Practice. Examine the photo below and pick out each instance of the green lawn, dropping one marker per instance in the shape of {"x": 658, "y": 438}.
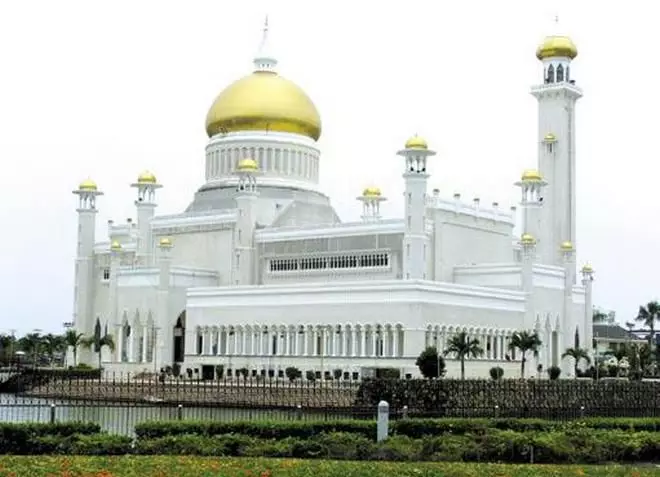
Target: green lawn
{"x": 175, "y": 466}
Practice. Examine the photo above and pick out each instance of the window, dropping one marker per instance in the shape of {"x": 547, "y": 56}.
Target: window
{"x": 551, "y": 74}
{"x": 365, "y": 260}
{"x": 106, "y": 274}
{"x": 560, "y": 74}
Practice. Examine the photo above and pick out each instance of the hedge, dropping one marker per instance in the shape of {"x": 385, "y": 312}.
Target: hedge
{"x": 20, "y": 438}
{"x": 512, "y": 397}
{"x": 584, "y": 446}
{"x": 407, "y": 427}
{"x": 134, "y": 466}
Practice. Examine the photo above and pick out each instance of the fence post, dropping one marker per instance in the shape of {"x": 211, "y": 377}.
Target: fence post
{"x": 299, "y": 413}
{"x": 404, "y": 412}
{"x": 52, "y": 413}
{"x": 582, "y": 412}
{"x": 383, "y": 421}
{"x": 179, "y": 412}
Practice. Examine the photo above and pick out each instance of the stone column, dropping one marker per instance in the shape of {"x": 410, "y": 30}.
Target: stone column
{"x": 143, "y": 358}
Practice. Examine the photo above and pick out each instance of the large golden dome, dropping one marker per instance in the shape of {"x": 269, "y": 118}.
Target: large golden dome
{"x": 264, "y": 101}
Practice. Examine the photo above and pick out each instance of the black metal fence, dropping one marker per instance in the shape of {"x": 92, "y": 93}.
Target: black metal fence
{"x": 119, "y": 401}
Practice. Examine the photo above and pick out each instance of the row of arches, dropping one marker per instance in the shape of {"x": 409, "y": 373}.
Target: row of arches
{"x": 349, "y": 340}
{"x": 557, "y": 74}
{"x": 136, "y": 338}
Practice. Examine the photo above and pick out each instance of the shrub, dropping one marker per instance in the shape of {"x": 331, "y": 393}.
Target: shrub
{"x": 496, "y": 373}
{"x": 292, "y": 373}
{"x": 554, "y": 372}
{"x": 19, "y": 438}
{"x": 310, "y": 376}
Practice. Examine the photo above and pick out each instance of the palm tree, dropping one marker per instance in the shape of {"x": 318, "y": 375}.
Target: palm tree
{"x": 463, "y": 347}
{"x": 32, "y": 345}
{"x": 74, "y": 339}
{"x": 97, "y": 342}
{"x": 53, "y": 344}
{"x": 525, "y": 342}
{"x": 578, "y": 354}
{"x": 647, "y": 316}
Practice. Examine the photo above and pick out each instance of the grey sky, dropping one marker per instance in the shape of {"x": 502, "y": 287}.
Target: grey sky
{"x": 107, "y": 89}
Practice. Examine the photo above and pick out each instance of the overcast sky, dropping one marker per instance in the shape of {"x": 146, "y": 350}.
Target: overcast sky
{"x": 107, "y": 89}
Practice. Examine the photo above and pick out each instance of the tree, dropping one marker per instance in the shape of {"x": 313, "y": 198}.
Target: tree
{"x": 578, "y": 354}
{"x": 647, "y": 316}
{"x": 74, "y": 339}
{"x": 7, "y": 345}
{"x": 463, "y": 347}
{"x": 430, "y": 363}
{"x": 97, "y": 343}
{"x": 32, "y": 345}
{"x": 53, "y": 344}
{"x": 525, "y": 342}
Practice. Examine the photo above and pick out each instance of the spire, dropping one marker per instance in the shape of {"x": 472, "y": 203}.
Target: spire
{"x": 264, "y": 60}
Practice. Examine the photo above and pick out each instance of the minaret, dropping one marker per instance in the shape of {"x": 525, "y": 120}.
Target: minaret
{"x": 163, "y": 332}
{"x": 83, "y": 319}
{"x": 113, "y": 298}
{"x": 568, "y": 321}
{"x": 371, "y": 198}
{"x": 528, "y": 244}
{"x": 416, "y": 244}
{"x": 531, "y": 187}
{"x": 145, "y": 204}
{"x": 557, "y": 96}
{"x": 587, "y": 283}
{"x": 246, "y": 202}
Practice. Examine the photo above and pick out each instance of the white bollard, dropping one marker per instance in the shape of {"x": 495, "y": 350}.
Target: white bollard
{"x": 382, "y": 425}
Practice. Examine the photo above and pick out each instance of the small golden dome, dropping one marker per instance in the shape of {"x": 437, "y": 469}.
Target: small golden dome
{"x": 264, "y": 101}
{"x": 247, "y": 165}
{"x": 566, "y": 246}
{"x": 550, "y": 137}
{"x": 527, "y": 239}
{"x": 146, "y": 178}
{"x": 531, "y": 175}
{"x": 88, "y": 185}
{"x": 115, "y": 246}
{"x": 165, "y": 242}
{"x": 371, "y": 192}
{"x": 587, "y": 268}
{"x": 416, "y": 142}
{"x": 556, "y": 45}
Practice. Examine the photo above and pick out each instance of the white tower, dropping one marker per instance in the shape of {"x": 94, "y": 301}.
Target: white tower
{"x": 557, "y": 96}
{"x": 163, "y": 332}
{"x": 246, "y": 200}
{"x": 145, "y": 204}
{"x": 531, "y": 187}
{"x": 528, "y": 244}
{"x": 587, "y": 282}
{"x": 371, "y": 198}
{"x": 416, "y": 244}
{"x": 83, "y": 320}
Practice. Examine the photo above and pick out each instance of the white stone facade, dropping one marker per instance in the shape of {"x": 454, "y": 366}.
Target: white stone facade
{"x": 260, "y": 273}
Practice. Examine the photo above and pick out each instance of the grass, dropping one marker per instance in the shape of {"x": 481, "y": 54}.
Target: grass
{"x": 165, "y": 466}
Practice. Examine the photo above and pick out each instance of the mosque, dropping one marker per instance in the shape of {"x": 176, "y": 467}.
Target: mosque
{"x": 259, "y": 273}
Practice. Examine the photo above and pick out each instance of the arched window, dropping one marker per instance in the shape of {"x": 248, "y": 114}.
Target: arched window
{"x": 577, "y": 338}
{"x": 560, "y": 74}
{"x": 551, "y": 74}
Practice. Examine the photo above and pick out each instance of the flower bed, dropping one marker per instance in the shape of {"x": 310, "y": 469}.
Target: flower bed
{"x": 137, "y": 466}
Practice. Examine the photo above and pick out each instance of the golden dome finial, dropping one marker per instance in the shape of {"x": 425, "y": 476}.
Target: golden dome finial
{"x": 165, "y": 242}
{"x": 371, "y": 192}
{"x": 587, "y": 269}
{"x": 88, "y": 185}
{"x": 146, "y": 177}
{"x": 531, "y": 175}
{"x": 527, "y": 239}
{"x": 247, "y": 165}
{"x": 566, "y": 246}
{"x": 416, "y": 142}
{"x": 115, "y": 246}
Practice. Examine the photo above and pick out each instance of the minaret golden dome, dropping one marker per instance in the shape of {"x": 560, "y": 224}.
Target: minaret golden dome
{"x": 146, "y": 178}
{"x": 416, "y": 142}
{"x": 115, "y": 246}
{"x": 165, "y": 242}
{"x": 556, "y": 46}
{"x": 566, "y": 246}
{"x": 587, "y": 269}
{"x": 88, "y": 185}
